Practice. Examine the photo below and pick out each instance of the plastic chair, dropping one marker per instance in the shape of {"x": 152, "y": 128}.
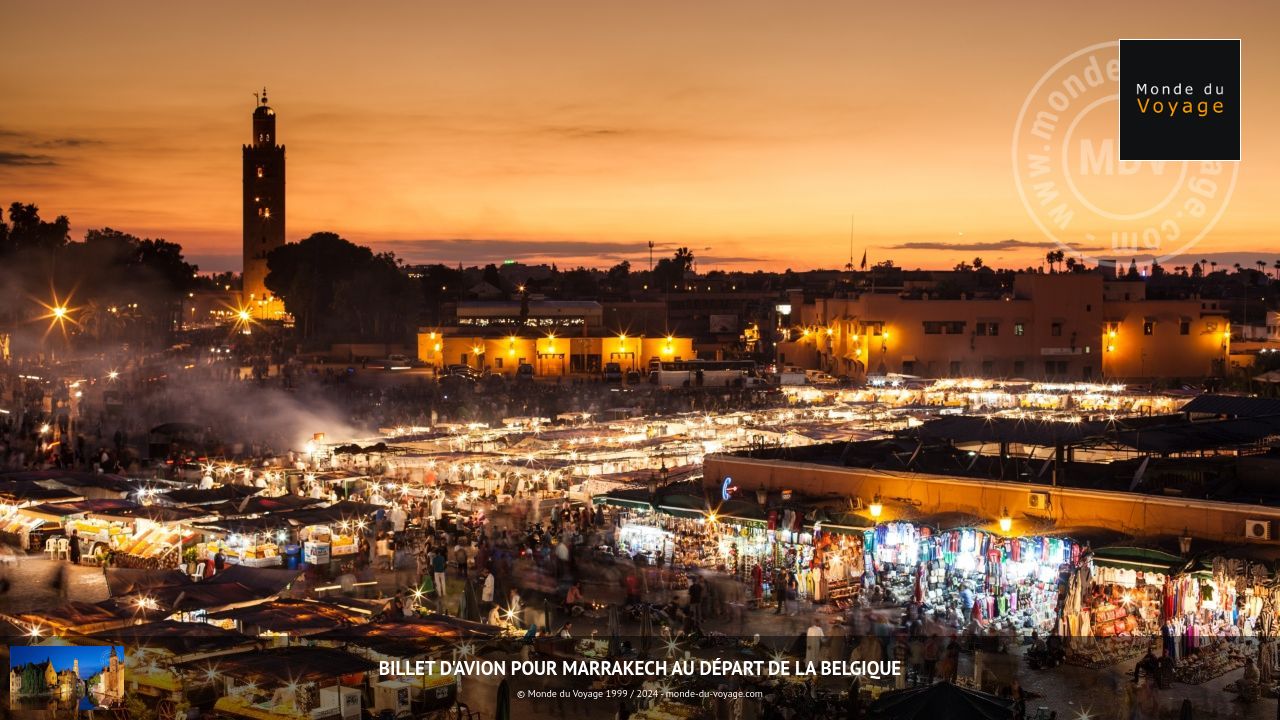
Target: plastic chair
{"x": 51, "y": 546}
{"x": 199, "y": 573}
{"x": 64, "y": 548}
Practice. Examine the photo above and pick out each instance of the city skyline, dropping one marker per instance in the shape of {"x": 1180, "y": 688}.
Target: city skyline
{"x": 574, "y": 133}
{"x": 92, "y": 659}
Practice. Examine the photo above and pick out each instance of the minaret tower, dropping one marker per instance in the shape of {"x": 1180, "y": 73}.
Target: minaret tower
{"x": 263, "y": 210}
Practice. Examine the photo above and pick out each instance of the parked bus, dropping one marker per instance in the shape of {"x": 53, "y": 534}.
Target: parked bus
{"x": 705, "y": 373}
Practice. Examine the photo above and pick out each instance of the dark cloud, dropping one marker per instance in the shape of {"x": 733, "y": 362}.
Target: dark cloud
{"x": 17, "y": 159}
{"x": 593, "y": 253}
{"x": 67, "y": 142}
{"x": 980, "y": 246}
{"x": 586, "y": 132}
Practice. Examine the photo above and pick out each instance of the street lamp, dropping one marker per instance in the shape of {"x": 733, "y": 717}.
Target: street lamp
{"x": 1184, "y": 543}
{"x": 1006, "y": 522}
{"x": 876, "y": 507}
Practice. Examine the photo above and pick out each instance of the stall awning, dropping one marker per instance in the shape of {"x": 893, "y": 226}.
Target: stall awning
{"x": 291, "y": 616}
{"x": 411, "y": 636}
{"x": 624, "y": 502}
{"x": 179, "y": 638}
{"x": 284, "y": 665}
{"x": 57, "y": 511}
{"x": 1141, "y": 559}
{"x": 209, "y": 496}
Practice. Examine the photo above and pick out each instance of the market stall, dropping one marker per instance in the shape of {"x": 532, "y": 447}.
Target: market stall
{"x": 157, "y": 535}
{"x": 293, "y": 682}
{"x": 970, "y": 574}
{"x": 431, "y": 637}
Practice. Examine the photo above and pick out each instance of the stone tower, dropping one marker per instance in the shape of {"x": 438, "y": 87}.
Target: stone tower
{"x": 263, "y": 210}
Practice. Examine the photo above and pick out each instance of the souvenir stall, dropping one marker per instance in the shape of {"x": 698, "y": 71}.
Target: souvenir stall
{"x": 648, "y": 535}
{"x": 1113, "y": 604}
{"x": 1014, "y": 579}
{"x": 743, "y": 540}
{"x": 1122, "y": 599}
{"x": 1208, "y": 608}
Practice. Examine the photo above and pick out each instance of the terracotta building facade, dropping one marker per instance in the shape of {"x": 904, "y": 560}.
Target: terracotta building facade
{"x": 1068, "y": 327}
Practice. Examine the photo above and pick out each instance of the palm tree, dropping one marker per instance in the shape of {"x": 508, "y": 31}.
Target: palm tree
{"x": 1277, "y": 267}
{"x": 1262, "y": 266}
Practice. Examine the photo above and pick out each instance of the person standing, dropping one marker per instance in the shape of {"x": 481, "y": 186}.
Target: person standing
{"x": 486, "y": 591}
{"x": 813, "y": 642}
{"x": 73, "y": 548}
{"x": 439, "y": 564}
{"x": 695, "y": 598}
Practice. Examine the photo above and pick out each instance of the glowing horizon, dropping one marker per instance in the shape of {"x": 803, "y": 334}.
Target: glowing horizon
{"x": 577, "y": 133}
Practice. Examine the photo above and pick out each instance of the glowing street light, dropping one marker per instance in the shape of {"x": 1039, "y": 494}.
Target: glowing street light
{"x": 1006, "y": 522}
{"x": 876, "y": 507}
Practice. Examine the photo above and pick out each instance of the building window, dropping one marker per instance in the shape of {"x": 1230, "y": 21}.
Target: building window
{"x": 908, "y": 367}
{"x": 1019, "y": 329}
{"x": 988, "y": 368}
{"x": 1019, "y": 368}
{"x": 943, "y": 327}
{"x": 497, "y": 362}
{"x": 987, "y": 329}
{"x": 955, "y": 368}
{"x": 1148, "y": 328}
{"x": 1088, "y": 307}
{"x": 1184, "y": 327}
{"x": 259, "y": 171}
{"x": 1056, "y": 329}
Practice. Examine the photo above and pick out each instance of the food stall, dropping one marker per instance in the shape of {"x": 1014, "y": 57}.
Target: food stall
{"x": 248, "y": 550}
{"x": 290, "y": 682}
{"x": 435, "y": 637}
{"x": 325, "y": 543}
{"x": 24, "y": 531}
{"x": 252, "y": 542}
{"x": 157, "y": 537}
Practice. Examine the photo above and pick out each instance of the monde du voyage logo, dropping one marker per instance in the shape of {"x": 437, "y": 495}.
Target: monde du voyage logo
{"x": 1125, "y": 148}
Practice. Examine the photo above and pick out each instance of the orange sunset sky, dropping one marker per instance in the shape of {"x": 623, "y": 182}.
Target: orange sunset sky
{"x": 577, "y": 132}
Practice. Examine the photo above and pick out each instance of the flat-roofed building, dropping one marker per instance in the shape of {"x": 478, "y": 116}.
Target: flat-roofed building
{"x": 1069, "y": 326}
